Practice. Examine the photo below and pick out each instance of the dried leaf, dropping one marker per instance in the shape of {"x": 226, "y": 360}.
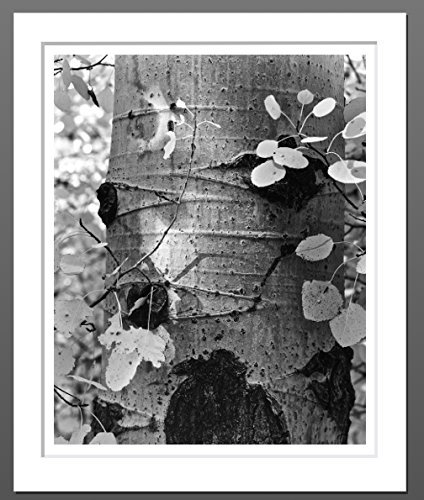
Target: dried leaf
{"x": 305, "y": 97}
{"x": 64, "y": 361}
{"x": 104, "y": 438}
{"x": 321, "y": 300}
{"x": 129, "y": 348}
{"x": 267, "y": 173}
{"x": 272, "y": 106}
{"x": 72, "y": 264}
{"x": 69, "y": 314}
{"x": 315, "y": 248}
{"x": 349, "y": 327}
{"x": 79, "y": 434}
{"x": 324, "y": 107}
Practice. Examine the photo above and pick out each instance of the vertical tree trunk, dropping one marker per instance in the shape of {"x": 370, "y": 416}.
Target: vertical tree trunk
{"x": 244, "y": 365}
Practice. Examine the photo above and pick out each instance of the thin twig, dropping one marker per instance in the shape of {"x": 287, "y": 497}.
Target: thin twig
{"x": 158, "y": 244}
{"x": 107, "y": 248}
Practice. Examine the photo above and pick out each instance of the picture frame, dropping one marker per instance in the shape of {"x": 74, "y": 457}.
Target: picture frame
{"x": 381, "y": 463}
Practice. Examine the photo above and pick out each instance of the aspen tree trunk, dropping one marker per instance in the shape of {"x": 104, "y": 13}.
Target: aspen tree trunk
{"x": 240, "y": 369}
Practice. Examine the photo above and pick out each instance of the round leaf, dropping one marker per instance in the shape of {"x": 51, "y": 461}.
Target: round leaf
{"x": 63, "y": 361}
{"x": 266, "y": 148}
{"x": 69, "y": 314}
{"x": 315, "y": 248}
{"x": 79, "y": 434}
{"x": 267, "y": 173}
{"x": 324, "y": 107}
{"x": 72, "y": 264}
{"x": 356, "y": 127}
{"x": 104, "y": 438}
{"x": 80, "y": 86}
{"x": 272, "y": 106}
{"x": 341, "y": 171}
{"x": 354, "y": 108}
{"x": 321, "y": 300}
{"x": 359, "y": 172}
{"x": 349, "y": 327}
{"x": 290, "y": 158}
{"x": 361, "y": 266}
{"x": 305, "y": 97}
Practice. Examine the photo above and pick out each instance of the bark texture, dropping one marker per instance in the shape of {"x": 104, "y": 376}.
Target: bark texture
{"x": 239, "y": 370}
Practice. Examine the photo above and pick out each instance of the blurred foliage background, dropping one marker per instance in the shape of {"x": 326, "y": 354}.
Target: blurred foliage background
{"x": 82, "y": 130}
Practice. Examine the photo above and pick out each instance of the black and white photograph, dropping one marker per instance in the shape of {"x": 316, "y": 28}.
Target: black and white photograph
{"x": 209, "y": 249}
{"x": 196, "y": 198}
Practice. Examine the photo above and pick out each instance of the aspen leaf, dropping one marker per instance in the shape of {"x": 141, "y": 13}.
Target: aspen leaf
{"x": 359, "y": 172}
{"x": 309, "y": 140}
{"x": 71, "y": 264}
{"x": 121, "y": 369}
{"x": 361, "y": 265}
{"x": 305, "y": 97}
{"x": 267, "y": 173}
{"x": 289, "y": 157}
{"x": 324, "y": 107}
{"x": 354, "y": 108}
{"x": 169, "y": 352}
{"x": 321, "y": 300}
{"x": 66, "y": 73}
{"x": 356, "y": 127}
{"x": 174, "y": 303}
{"x": 83, "y": 60}
{"x": 79, "y": 434}
{"x": 341, "y": 171}
{"x": 349, "y": 327}
{"x": 62, "y": 100}
{"x": 149, "y": 346}
{"x": 69, "y": 314}
{"x": 104, "y": 438}
{"x": 129, "y": 348}
{"x": 63, "y": 361}
{"x": 266, "y": 148}
{"x": 105, "y": 99}
{"x": 170, "y": 145}
{"x": 315, "y": 248}
{"x": 80, "y": 86}
{"x": 83, "y": 380}
{"x": 60, "y": 440}
{"x": 272, "y": 106}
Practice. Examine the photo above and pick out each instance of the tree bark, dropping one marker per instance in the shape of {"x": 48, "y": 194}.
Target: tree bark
{"x": 240, "y": 369}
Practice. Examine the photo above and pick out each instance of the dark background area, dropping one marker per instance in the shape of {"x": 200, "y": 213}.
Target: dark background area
{"x": 415, "y": 182}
